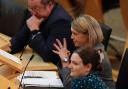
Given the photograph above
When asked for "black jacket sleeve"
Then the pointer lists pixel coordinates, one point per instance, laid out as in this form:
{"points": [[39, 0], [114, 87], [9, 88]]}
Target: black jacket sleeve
{"points": [[44, 46], [22, 37], [20, 40]]}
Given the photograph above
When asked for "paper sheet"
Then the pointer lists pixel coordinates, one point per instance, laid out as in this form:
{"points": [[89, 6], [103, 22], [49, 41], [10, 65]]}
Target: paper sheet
{"points": [[43, 74], [10, 56], [41, 78]]}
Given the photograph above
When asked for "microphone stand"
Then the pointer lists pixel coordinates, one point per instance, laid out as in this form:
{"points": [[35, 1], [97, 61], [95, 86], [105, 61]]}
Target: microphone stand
{"points": [[22, 52], [25, 69]]}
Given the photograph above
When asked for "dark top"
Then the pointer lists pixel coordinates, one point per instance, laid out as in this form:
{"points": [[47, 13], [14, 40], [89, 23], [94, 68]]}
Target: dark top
{"points": [[91, 81], [105, 75], [57, 26]]}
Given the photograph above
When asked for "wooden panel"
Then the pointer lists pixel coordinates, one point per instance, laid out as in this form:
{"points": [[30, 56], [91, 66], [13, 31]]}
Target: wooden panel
{"points": [[4, 40], [94, 8], [8, 84], [124, 11], [8, 72], [126, 43], [10, 60], [91, 7], [4, 83]]}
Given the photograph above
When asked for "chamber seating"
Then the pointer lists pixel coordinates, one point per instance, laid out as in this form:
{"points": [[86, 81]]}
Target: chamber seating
{"points": [[11, 17], [106, 32]]}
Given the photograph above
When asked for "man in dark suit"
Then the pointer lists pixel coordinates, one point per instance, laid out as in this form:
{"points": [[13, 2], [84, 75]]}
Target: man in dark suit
{"points": [[45, 21]]}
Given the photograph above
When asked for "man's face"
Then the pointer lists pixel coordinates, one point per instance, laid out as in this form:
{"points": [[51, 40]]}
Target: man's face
{"points": [[38, 9]]}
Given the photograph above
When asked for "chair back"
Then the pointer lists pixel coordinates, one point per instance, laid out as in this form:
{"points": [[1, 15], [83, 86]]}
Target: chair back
{"points": [[106, 33], [122, 79], [11, 17]]}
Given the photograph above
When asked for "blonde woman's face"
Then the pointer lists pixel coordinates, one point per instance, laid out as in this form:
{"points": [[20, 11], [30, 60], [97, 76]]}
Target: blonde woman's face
{"points": [[79, 39], [77, 67]]}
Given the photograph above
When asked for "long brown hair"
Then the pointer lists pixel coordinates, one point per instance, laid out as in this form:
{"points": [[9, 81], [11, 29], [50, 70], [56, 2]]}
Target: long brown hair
{"points": [[90, 55]]}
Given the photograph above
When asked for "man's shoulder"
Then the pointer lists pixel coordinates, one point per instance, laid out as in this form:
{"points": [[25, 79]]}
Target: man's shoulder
{"points": [[62, 11], [59, 13]]}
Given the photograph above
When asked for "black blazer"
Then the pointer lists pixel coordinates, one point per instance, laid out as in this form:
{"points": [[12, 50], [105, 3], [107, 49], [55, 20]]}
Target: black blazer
{"points": [[57, 26]]}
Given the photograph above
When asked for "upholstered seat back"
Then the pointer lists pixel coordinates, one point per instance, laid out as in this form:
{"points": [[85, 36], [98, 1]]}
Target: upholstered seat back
{"points": [[106, 32], [11, 17]]}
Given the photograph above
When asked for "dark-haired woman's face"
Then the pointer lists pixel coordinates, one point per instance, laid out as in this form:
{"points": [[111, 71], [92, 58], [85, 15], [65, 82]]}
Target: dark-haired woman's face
{"points": [[77, 67]]}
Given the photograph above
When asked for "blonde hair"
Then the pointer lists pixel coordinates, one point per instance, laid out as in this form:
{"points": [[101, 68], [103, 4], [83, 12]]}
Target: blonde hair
{"points": [[87, 25]]}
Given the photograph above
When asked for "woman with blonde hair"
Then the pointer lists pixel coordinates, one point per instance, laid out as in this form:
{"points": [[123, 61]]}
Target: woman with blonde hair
{"points": [[88, 27], [86, 31]]}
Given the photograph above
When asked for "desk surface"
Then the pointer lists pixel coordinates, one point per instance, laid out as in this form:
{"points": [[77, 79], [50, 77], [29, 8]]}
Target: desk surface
{"points": [[4, 40], [37, 62]]}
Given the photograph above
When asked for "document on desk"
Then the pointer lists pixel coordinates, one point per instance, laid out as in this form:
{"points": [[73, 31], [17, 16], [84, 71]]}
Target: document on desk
{"points": [[41, 79], [10, 60], [10, 56]]}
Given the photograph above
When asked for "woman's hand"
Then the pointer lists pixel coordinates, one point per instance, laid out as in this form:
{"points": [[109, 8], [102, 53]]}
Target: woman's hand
{"points": [[61, 49]]}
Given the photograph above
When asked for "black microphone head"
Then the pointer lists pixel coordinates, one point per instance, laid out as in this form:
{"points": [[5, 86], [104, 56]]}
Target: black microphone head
{"points": [[31, 57]]}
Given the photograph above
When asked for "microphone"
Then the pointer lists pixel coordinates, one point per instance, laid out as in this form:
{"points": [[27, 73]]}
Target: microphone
{"points": [[22, 52], [32, 56]]}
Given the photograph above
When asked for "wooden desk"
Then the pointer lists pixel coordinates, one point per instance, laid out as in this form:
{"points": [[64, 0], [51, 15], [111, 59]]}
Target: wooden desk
{"points": [[4, 83], [37, 63], [4, 40]]}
